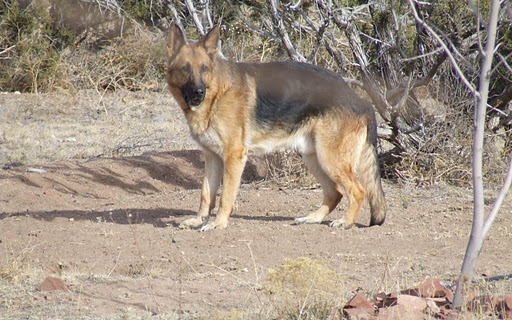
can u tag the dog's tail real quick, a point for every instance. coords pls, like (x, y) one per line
(369, 174)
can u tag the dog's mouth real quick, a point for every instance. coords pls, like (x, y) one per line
(195, 101)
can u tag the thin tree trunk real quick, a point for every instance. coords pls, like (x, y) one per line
(477, 235)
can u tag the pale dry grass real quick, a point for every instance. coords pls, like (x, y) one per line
(43, 128)
(16, 267)
(20, 298)
(305, 289)
(134, 62)
(287, 169)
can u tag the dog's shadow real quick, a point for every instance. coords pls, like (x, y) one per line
(159, 218)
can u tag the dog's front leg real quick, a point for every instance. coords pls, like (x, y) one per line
(213, 173)
(234, 164)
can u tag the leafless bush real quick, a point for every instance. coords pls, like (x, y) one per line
(287, 169)
(304, 289)
(133, 63)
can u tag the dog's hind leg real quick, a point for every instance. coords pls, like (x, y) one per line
(338, 150)
(213, 174)
(355, 194)
(340, 164)
(332, 194)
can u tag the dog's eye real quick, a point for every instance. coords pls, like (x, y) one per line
(204, 68)
(186, 68)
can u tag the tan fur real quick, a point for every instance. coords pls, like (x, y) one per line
(334, 144)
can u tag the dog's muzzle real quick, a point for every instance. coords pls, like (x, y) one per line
(194, 94)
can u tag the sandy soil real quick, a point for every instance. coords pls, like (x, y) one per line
(108, 226)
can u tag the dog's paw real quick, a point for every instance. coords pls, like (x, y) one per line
(213, 225)
(341, 223)
(307, 220)
(193, 223)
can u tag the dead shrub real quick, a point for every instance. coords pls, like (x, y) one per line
(304, 288)
(287, 169)
(444, 154)
(32, 61)
(134, 62)
(16, 268)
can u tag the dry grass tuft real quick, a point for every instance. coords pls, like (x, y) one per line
(304, 289)
(231, 314)
(16, 267)
(287, 169)
(134, 62)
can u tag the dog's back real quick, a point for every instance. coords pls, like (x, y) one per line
(290, 93)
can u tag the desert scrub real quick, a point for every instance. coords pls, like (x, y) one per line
(304, 288)
(33, 61)
(287, 169)
(16, 266)
(135, 62)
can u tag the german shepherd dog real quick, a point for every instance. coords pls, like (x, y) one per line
(232, 108)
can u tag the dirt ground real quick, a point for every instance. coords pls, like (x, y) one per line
(93, 188)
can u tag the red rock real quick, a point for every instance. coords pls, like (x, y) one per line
(359, 308)
(508, 302)
(382, 300)
(399, 312)
(412, 303)
(429, 289)
(358, 313)
(449, 295)
(53, 284)
(358, 301)
(407, 307)
(502, 304)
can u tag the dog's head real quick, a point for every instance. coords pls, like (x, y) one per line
(190, 67)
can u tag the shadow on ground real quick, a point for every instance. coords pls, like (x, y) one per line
(136, 175)
(159, 218)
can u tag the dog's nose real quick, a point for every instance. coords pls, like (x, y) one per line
(199, 92)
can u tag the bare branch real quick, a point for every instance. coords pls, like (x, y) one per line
(319, 34)
(398, 108)
(454, 63)
(252, 26)
(193, 13)
(421, 56)
(499, 199)
(418, 82)
(502, 100)
(7, 50)
(207, 14)
(294, 6)
(283, 34)
(175, 15)
(503, 60)
(371, 87)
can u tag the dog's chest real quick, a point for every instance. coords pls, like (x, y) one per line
(208, 139)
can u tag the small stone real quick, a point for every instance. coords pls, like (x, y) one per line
(178, 240)
(53, 284)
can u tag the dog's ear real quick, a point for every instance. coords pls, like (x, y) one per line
(175, 40)
(211, 41)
